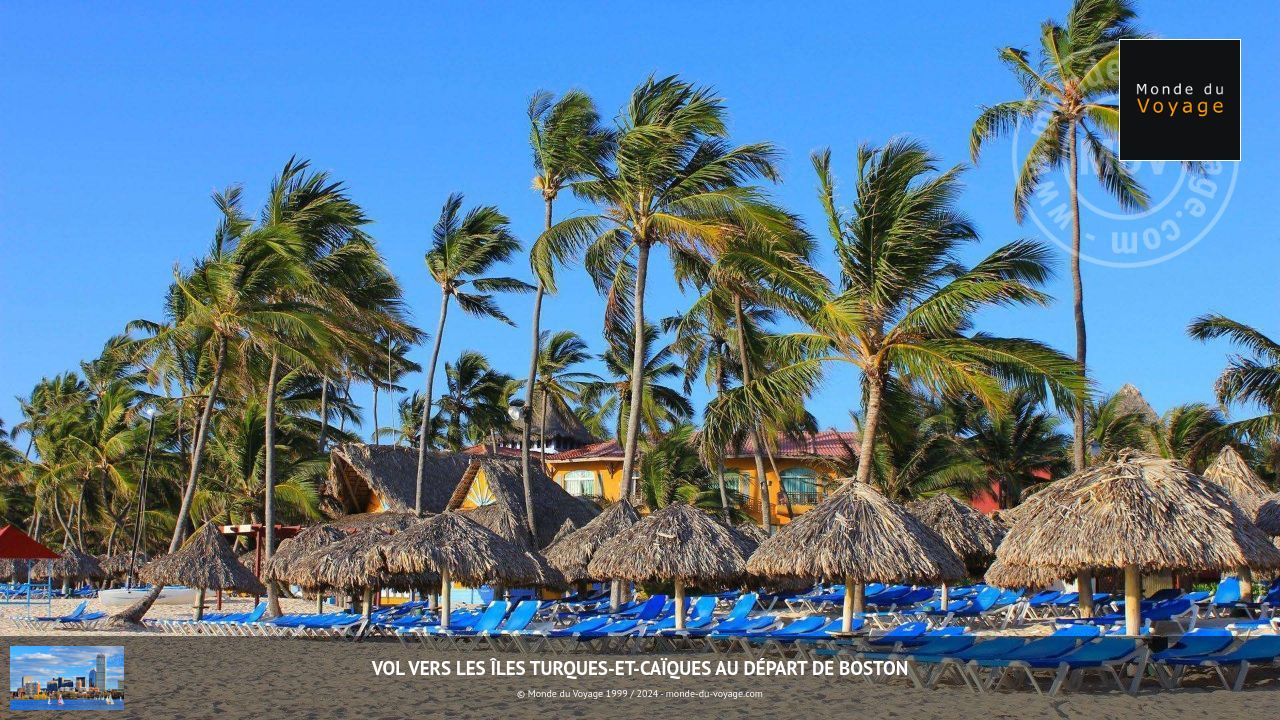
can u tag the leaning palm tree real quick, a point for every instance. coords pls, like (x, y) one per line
(903, 301)
(1248, 380)
(674, 183)
(464, 248)
(1069, 93)
(568, 141)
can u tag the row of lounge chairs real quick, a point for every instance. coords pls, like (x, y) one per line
(79, 618)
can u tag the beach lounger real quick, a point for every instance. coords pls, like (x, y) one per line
(1264, 649)
(1180, 611)
(1059, 643)
(726, 640)
(519, 620)
(1199, 642)
(533, 639)
(1105, 655)
(488, 620)
(975, 608)
(1225, 596)
(935, 666)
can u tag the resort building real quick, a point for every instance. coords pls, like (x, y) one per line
(799, 472)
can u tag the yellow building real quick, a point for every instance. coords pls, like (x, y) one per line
(804, 469)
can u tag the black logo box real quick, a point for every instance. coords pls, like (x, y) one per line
(1157, 80)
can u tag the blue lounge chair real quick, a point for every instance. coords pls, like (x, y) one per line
(975, 608)
(1059, 643)
(798, 644)
(1103, 655)
(1201, 641)
(937, 665)
(1225, 596)
(521, 616)
(531, 640)
(1180, 611)
(1254, 651)
(492, 616)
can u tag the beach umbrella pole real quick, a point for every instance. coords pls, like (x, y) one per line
(679, 605)
(319, 603)
(847, 623)
(1132, 600)
(946, 597)
(445, 587)
(615, 595)
(368, 602)
(1084, 586)
(200, 605)
(1246, 584)
(859, 596)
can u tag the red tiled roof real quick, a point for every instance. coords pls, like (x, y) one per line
(828, 443)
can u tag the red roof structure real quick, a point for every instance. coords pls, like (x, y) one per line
(17, 545)
(828, 443)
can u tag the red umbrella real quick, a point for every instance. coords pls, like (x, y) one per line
(17, 545)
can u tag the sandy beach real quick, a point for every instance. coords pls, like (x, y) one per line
(188, 678)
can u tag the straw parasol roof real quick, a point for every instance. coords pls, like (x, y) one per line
(567, 528)
(678, 542)
(291, 550)
(860, 535)
(1137, 510)
(117, 566)
(344, 565)
(15, 570)
(571, 554)
(470, 552)
(1268, 518)
(72, 563)
(1004, 575)
(390, 521)
(205, 561)
(1234, 474)
(970, 534)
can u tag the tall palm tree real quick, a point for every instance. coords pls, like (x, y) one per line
(475, 403)
(903, 300)
(384, 372)
(463, 248)
(559, 384)
(675, 182)
(568, 141)
(662, 407)
(1069, 87)
(1252, 377)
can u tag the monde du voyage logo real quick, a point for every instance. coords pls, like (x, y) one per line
(1180, 100)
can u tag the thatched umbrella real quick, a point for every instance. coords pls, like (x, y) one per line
(205, 562)
(567, 528)
(458, 549)
(970, 534)
(571, 554)
(117, 566)
(1137, 513)
(293, 549)
(1234, 474)
(13, 570)
(344, 566)
(861, 536)
(678, 543)
(72, 564)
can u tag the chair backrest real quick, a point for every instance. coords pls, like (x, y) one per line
(809, 623)
(1044, 596)
(986, 598)
(79, 609)
(996, 647)
(492, 616)
(1077, 631)
(944, 645)
(1263, 646)
(1228, 591)
(258, 611)
(593, 623)
(743, 607)
(652, 608)
(522, 615)
(1165, 594)
(1203, 641)
(1110, 648)
(703, 607)
(1168, 609)
(905, 630)
(835, 626)
(918, 595)
(1070, 598)
(1050, 646)
(868, 589)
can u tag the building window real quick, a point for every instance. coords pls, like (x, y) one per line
(737, 482)
(581, 483)
(801, 485)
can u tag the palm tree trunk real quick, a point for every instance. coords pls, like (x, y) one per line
(375, 414)
(426, 404)
(724, 493)
(869, 421)
(324, 411)
(744, 361)
(269, 483)
(637, 373)
(133, 614)
(1077, 287)
(526, 431)
(782, 490)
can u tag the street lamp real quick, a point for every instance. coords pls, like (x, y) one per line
(150, 413)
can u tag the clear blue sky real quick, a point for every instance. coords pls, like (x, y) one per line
(116, 125)
(45, 662)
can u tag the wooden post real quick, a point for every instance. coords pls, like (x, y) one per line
(847, 623)
(615, 595)
(200, 605)
(445, 586)
(1084, 585)
(946, 597)
(368, 602)
(1246, 584)
(1132, 601)
(219, 598)
(859, 596)
(319, 603)
(679, 605)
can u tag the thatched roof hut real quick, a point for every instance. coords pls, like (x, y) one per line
(564, 431)
(117, 566)
(679, 543)
(291, 550)
(345, 565)
(206, 562)
(13, 570)
(1268, 517)
(1231, 471)
(970, 534)
(457, 548)
(861, 536)
(567, 528)
(72, 564)
(1137, 513)
(570, 555)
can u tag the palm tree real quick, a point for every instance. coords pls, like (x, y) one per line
(662, 407)
(1112, 425)
(475, 404)
(1078, 71)
(1018, 443)
(568, 141)
(1191, 432)
(675, 182)
(385, 371)
(463, 248)
(919, 457)
(904, 300)
(559, 385)
(1253, 377)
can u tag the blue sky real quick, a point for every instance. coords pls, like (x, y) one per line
(116, 126)
(44, 662)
